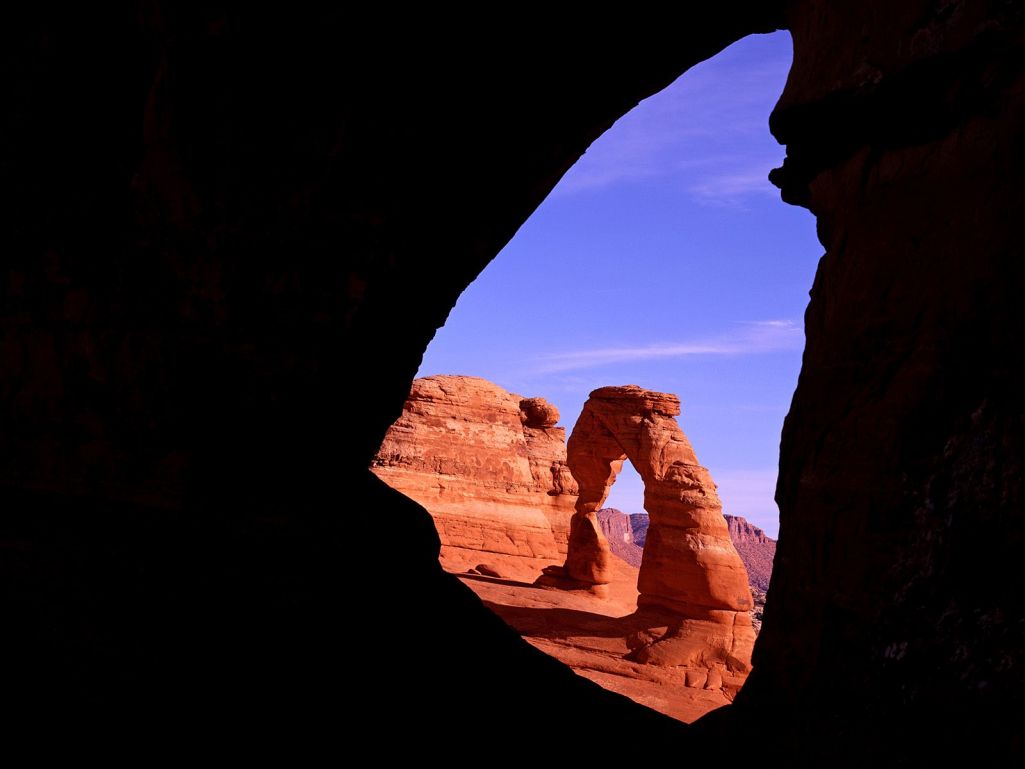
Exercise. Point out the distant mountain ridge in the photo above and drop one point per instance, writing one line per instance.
(626, 535)
(618, 528)
(756, 550)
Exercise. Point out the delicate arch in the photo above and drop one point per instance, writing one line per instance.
(690, 565)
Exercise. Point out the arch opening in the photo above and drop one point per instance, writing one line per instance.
(516, 506)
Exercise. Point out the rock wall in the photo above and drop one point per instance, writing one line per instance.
(490, 467)
(902, 469)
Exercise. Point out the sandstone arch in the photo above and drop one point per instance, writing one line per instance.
(690, 566)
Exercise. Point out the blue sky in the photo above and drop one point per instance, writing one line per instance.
(664, 258)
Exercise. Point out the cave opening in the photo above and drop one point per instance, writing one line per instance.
(665, 258)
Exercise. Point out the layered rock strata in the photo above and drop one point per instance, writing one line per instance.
(490, 467)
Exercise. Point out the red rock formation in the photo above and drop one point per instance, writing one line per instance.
(756, 549)
(490, 468)
(690, 569)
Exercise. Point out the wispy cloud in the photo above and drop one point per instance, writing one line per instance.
(714, 117)
(731, 188)
(747, 338)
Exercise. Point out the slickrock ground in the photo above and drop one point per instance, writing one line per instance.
(594, 636)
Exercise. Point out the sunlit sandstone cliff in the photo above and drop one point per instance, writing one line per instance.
(490, 466)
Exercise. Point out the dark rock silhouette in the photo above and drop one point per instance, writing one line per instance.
(229, 235)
